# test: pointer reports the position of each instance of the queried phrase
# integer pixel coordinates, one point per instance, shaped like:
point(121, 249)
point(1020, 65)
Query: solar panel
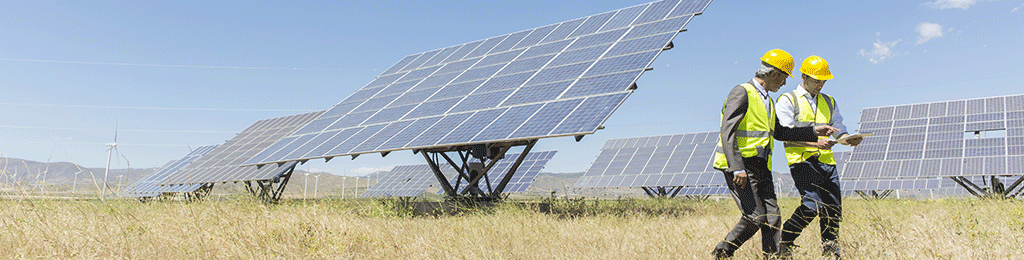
point(402, 181)
point(223, 163)
point(528, 170)
point(563, 79)
point(655, 161)
point(926, 149)
point(148, 188)
point(941, 144)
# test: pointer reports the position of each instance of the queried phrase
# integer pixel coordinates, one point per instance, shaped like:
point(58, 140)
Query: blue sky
point(177, 74)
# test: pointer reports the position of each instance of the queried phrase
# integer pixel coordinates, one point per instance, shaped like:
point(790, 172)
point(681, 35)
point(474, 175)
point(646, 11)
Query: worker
point(812, 164)
point(744, 153)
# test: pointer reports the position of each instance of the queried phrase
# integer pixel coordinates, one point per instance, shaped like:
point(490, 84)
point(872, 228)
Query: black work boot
point(719, 253)
point(831, 249)
point(786, 249)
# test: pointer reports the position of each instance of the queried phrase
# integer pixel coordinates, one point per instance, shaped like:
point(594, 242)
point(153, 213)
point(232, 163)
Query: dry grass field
point(233, 228)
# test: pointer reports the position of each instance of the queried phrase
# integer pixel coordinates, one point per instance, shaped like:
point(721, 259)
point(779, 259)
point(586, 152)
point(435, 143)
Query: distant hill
point(27, 171)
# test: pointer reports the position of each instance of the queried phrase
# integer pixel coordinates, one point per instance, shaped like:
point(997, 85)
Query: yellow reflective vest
point(804, 116)
point(754, 132)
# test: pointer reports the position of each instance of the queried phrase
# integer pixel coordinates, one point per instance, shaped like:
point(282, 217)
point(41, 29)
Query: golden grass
point(575, 229)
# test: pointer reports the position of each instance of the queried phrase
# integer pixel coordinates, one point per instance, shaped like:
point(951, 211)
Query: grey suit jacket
point(733, 111)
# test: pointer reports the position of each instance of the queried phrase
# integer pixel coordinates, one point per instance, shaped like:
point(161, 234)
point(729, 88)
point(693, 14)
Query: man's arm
point(783, 133)
point(733, 111)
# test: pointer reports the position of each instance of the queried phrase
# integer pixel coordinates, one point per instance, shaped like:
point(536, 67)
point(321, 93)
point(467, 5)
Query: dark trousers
point(758, 205)
point(818, 184)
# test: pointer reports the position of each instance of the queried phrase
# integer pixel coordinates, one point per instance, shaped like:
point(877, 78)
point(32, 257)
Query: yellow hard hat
point(816, 67)
point(780, 59)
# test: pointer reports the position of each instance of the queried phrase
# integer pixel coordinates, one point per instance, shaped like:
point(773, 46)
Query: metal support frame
point(199, 194)
point(265, 191)
point(995, 190)
point(662, 192)
point(874, 194)
point(468, 184)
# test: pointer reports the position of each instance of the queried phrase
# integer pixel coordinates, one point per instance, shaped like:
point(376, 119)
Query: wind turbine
point(74, 186)
point(42, 188)
point(111, 147)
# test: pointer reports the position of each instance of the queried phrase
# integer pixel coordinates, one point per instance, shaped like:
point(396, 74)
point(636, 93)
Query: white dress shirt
point(784, 111)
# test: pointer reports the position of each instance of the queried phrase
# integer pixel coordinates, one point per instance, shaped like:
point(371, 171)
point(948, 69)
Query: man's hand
point(825, 143)
point(853, 141)
point(740, 178)
point(825, 130)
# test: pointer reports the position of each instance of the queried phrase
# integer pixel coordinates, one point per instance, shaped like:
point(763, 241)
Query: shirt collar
point(759, 88)
point(803, 92)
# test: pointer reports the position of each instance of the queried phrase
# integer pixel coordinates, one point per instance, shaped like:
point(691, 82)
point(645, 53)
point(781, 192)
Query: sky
point(168, 76)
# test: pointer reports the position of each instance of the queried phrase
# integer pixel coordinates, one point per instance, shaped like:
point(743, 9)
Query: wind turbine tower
point(111, 147)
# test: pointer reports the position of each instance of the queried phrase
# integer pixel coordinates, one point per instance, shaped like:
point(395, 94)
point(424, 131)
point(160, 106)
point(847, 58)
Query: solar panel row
point(670, 160)
point(701, 191)
point(402, 181)
point(147, 187)
point(557, 80)
point(223, 164)
point(413, 180)
point(890, 184)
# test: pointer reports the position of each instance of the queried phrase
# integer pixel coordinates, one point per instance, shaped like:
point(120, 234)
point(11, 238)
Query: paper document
point(843, 140)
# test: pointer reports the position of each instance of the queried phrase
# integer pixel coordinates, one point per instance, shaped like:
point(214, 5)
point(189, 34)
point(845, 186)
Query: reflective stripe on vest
point(754, 132)
point(805, 116)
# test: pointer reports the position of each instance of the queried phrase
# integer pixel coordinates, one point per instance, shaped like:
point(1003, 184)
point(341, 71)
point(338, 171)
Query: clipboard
point(842, 141)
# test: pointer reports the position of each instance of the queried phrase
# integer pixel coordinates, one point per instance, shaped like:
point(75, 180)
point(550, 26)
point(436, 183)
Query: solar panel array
point(403, 181)
point(557, 80)
point(704, 190)
point(523, 177)
point(928, 140)
point(223, 163)
point(147, 187)
point(669, 160)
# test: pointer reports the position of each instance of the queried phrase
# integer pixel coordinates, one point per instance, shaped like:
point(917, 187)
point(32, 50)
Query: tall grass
point(238, 227)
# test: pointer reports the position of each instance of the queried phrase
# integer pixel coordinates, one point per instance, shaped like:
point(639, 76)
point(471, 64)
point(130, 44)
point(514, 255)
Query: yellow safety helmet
point(780, 59)
point(816, 67)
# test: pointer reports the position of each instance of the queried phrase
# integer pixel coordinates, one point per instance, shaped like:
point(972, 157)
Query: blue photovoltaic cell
point(546, 119)
point(147, 187)
point(676, 160)
point(592, 24)
point(468, 129)
point(595, 58)
point(223, 164)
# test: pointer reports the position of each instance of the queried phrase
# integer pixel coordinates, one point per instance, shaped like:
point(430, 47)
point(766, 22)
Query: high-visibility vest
point(754, 132)
point(804, 116)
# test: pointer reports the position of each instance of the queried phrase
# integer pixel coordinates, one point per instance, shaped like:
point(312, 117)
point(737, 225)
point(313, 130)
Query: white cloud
point(1015, 9)
point(947, 4)
point(369, 170)
point(881, 51)
point(927, 31)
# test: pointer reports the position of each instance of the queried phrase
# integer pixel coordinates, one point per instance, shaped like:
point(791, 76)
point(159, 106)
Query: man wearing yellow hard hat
point(744, 153)
point(812, 164)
